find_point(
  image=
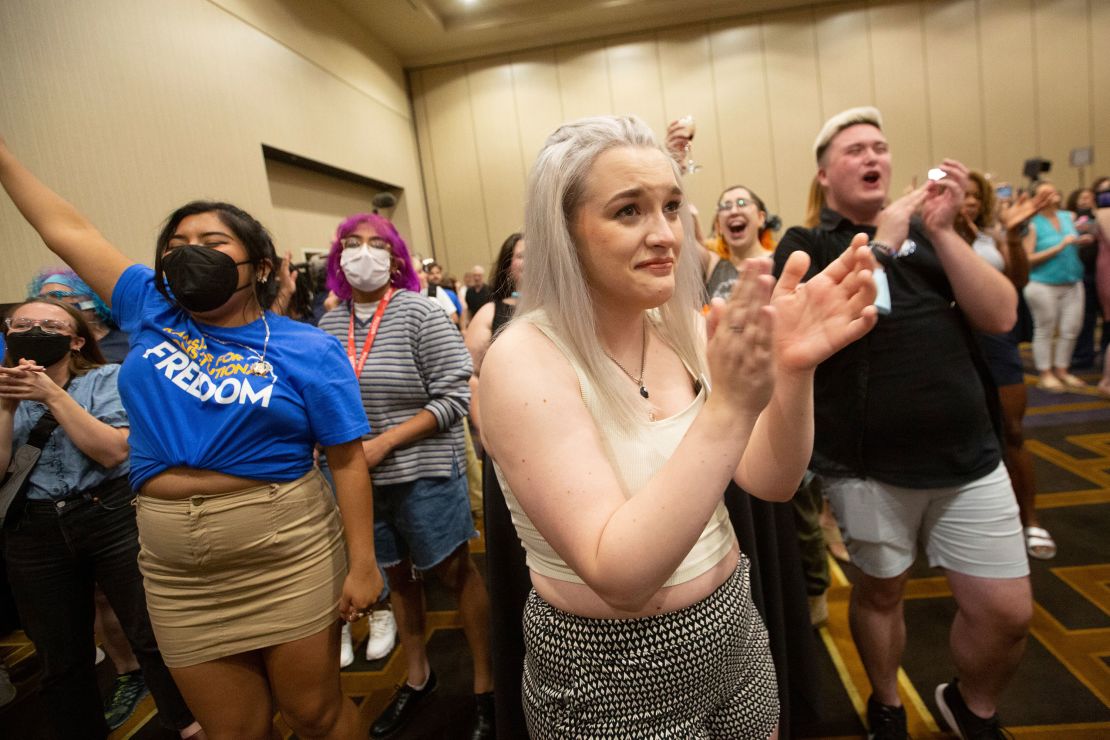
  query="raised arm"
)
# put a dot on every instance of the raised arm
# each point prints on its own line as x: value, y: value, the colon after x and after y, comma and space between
x: 1012, y: 219
x: 65, y: 231
x: 985, y: 295
x: 813, y: 320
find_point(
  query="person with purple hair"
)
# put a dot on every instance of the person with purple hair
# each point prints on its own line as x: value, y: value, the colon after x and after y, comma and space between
x: 413, y: 370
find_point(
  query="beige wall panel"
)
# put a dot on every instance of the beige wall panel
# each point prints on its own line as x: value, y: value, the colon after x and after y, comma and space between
x: 128, y: 131
x: 844, y: 56
x: 1063, y: 83
x: 1007, y: 62
x: 539, y: 108
x: 634, y: 79
x: 421, y: 119
x: 795, y: 104
x: 308, y: 206
x: 743, y: 114
x: 686, y: 84
x: 900, y: 89
x: 462, y: 202
x: 500, y: 159
x: 1100, y: 90
x: 331, y: 38
x: 583, y: 79
x: 955, y: 115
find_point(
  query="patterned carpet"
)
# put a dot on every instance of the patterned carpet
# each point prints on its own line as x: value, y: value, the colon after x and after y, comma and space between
x: 1062, y: 689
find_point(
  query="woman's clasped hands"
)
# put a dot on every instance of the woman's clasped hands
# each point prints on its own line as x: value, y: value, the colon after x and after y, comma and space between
x: 26, y: 381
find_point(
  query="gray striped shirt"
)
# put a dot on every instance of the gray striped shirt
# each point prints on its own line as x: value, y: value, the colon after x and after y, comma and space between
x: 418, y: 361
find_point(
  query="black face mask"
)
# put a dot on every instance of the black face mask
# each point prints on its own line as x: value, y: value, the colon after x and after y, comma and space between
x: 38, y: 346
x: 201, y: 278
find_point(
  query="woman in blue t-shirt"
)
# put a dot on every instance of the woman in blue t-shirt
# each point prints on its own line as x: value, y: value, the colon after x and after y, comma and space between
x: 243, y: 552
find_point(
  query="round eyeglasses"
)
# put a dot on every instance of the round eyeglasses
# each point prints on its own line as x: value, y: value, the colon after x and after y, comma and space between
x: 726, y: 205
x: 50, y: 326
x: 353, y: 242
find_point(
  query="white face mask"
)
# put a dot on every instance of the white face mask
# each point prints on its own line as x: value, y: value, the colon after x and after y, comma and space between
x: 366, y: 269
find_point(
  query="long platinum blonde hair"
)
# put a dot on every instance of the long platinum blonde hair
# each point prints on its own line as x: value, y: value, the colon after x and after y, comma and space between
x: 556, y: 291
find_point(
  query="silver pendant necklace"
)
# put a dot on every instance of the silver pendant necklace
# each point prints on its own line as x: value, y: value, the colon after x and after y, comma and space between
x: 260, y: 366
x: 643, y: 356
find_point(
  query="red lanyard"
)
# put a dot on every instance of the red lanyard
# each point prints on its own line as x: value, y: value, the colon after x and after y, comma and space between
x: 370, y: 335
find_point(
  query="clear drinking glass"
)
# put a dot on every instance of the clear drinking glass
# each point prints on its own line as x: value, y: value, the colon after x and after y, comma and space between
x: 690, y: 167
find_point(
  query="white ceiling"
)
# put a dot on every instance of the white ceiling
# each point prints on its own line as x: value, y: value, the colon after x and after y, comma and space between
x: 427, y: 32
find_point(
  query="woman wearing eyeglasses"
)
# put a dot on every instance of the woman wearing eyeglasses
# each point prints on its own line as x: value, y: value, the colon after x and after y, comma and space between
x: 65, y: 285
x: 736, y: 236
x: 413, y: 371
x: 72, y: 526
x: 245, y: 560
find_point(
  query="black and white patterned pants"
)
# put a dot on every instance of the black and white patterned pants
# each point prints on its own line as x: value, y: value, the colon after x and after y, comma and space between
x: 700, y: 672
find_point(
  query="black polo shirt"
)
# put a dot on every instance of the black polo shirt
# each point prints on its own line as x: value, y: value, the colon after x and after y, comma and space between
x: 476, y: 298
x: 908, y: 404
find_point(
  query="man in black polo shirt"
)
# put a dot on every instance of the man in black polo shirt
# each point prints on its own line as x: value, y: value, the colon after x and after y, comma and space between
x: 904, y: 439
x: 477, y: 292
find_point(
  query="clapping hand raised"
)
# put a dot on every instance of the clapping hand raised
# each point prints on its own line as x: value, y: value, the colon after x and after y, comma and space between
x: 944, y: 198
x: 740, y: 349
x: 1023, y: 208
x: 817, y: 318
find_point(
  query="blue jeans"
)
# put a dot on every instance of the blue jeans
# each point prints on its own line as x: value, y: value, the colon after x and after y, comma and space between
x: 54, y: 554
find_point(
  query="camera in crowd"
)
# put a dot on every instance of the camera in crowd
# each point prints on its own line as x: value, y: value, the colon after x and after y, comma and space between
x: 1035, y: 167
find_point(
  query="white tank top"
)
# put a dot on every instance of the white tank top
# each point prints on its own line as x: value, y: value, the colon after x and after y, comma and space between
x: 636, y: 455
x: 985, y: 246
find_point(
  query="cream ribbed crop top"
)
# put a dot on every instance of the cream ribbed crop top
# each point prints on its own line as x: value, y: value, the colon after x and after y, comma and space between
x: 636, y: 455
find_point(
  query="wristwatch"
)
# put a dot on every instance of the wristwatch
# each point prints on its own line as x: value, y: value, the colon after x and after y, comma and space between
x: 881, y: 248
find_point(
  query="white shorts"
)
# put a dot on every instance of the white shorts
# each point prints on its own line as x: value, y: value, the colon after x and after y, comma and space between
x: 972, y: 529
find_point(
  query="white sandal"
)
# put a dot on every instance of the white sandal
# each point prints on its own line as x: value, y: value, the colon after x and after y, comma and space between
x: 1039, y: 543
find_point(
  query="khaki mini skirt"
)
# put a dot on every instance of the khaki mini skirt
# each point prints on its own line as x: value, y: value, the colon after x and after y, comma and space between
x: 241, y: 571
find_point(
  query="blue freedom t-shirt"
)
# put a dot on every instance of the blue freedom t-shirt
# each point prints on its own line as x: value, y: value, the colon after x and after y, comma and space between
x: 193, y: 401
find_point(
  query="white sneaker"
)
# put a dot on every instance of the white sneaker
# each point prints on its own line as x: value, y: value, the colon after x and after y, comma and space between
x: 383, y: 634
x: 7, y: 689
x: 346, y: 650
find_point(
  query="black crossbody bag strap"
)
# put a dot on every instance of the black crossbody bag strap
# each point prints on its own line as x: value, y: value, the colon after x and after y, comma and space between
x: 42, y: 430
x: 11, y: 502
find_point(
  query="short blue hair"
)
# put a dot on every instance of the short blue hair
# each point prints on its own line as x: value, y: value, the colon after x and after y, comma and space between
x: 77, y: 287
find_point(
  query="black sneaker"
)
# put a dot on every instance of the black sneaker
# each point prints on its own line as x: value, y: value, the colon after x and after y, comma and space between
x: 128, y: 691
x: 485, y: 721
x: 964, y: 722
x: 402, y: 708
x: 885, y: 722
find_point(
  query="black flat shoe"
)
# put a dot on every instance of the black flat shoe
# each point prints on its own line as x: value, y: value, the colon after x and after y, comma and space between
x: 402, y: 708
x: 485, y: 721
